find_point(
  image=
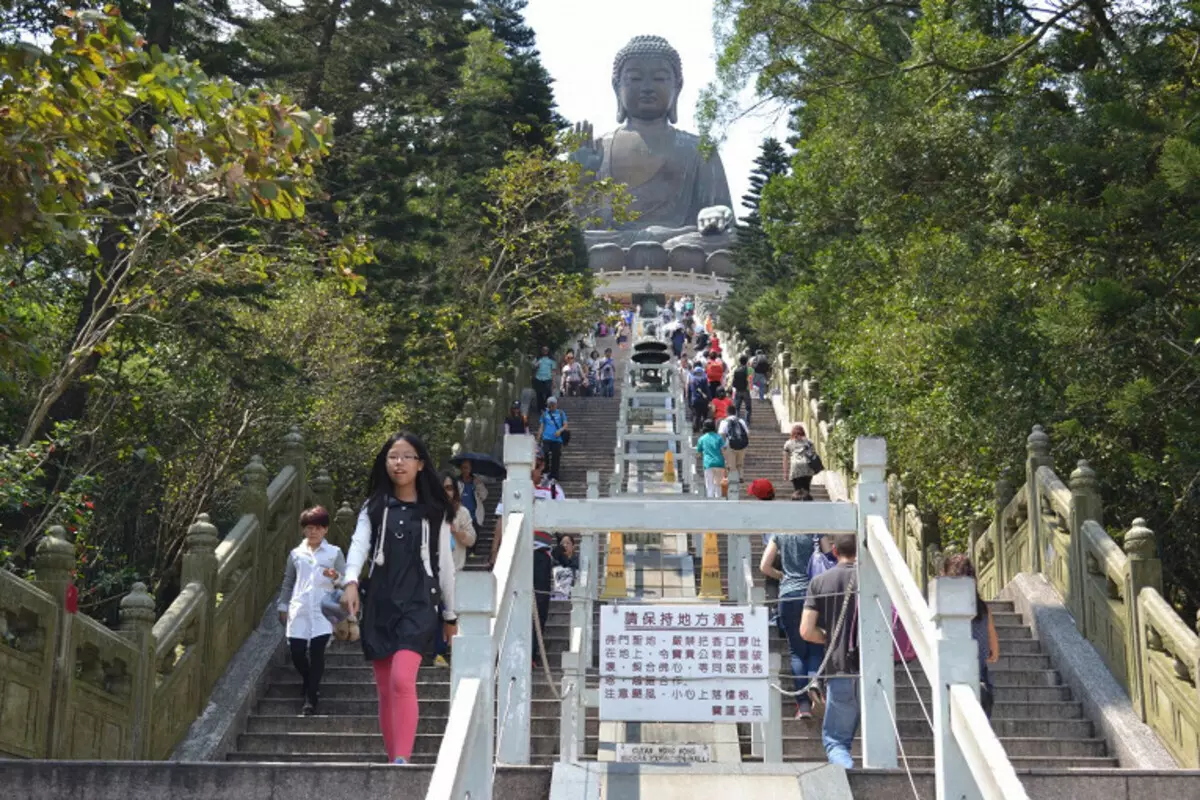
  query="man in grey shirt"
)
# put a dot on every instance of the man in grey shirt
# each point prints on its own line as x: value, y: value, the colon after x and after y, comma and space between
x: 831, y: 618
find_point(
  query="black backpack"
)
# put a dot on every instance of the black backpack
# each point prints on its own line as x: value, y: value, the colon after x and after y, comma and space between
x: 739, y: 437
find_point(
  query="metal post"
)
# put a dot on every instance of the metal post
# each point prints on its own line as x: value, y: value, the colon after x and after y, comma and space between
x: 875, y: 637
x: 515, y: 685
x: 955, y: 660
x: 475, y: 657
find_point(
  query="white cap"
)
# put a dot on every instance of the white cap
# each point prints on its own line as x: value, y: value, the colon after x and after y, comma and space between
x: 552, y: 399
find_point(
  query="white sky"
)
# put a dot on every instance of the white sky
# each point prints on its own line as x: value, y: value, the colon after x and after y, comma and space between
x: 579, y: 38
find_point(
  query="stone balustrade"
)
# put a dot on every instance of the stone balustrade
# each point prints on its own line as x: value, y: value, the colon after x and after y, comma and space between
x: 71, y: 688
x: 480, y: 427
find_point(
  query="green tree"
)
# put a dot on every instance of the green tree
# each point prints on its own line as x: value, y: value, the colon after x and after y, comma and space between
x: 758, y: 266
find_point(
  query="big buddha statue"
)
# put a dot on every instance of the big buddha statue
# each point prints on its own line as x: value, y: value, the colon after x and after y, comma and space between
x: 679, y: 193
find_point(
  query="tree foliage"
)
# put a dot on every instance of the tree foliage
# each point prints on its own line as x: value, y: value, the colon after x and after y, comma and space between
x: 991, y: 222
x: 348, y: 214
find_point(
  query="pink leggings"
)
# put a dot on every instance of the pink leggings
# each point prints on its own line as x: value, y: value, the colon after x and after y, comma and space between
x: 396, y: 682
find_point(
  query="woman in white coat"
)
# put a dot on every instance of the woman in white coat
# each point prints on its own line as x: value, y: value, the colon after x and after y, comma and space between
x: 313, y: 570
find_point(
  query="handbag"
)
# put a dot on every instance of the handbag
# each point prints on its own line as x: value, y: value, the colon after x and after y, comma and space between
x: 816, y: 464
x: 566, y: 438
x: 331, y: 607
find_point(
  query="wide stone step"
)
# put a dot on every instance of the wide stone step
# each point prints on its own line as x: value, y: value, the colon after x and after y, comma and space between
x: 437, y: 707
x: 365, y: 690
x: 1003, y: 694
x: 916, y: 727
x: 272, y: 743
x: 369, y: 725
x: 810, y: 746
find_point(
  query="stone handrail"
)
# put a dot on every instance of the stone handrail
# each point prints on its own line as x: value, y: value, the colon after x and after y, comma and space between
x: 132, y: 693
x: 1114, y: 593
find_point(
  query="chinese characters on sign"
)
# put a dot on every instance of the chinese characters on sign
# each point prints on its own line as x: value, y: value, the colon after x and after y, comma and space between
x: 686, y: 663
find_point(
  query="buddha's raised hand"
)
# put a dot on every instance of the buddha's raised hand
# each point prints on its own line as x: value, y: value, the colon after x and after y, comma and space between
x: 590, y: 154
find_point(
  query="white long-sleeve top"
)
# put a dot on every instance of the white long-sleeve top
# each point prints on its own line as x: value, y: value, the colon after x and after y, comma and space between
x: 305, y: 586
x: 360, y: 554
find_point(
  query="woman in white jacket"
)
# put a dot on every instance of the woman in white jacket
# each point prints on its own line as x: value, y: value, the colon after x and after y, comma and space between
x: 313, y: 569
x: 403, y: 537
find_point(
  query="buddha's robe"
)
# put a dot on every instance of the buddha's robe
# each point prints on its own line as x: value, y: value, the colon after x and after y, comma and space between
x: 687, y: 182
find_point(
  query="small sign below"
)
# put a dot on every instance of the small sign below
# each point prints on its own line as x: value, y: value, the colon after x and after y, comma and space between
x: 664, y: 753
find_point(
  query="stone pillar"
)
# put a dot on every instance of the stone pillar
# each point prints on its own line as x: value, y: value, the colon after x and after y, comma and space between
x: 1145, y: 571
x: 254, y: 501
x: 878, y: 683
x: 322, y: 489
x: 1002, y: 496
x: 53, y: 567
x: 975, y: 531
x: 931, y: 539
x: 514, y: 689
x: 137, y: 625
x: 1037, y: 446
x: 343, y: 526
x: 1085, y: 506
x: 293, y: 456
x: 54, y: 564
x: 955, y: 660
x: 200, y: 566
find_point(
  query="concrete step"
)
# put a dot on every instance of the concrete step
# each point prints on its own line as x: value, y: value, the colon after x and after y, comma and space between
x: 268, y: 744
x: 915, y: 726
x: 290, y: 707
x: 810, y: 746
x: 369, y: 724
x: 365, y: 690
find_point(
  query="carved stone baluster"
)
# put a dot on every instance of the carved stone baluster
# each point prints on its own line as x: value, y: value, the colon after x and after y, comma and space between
x: 1145, y: 571
x: 254, y: 501
x: 1002, y: 496
x: 1085, y: 506
x: 200, y: 566
x: 137, y: 625
x: 1037, y: 448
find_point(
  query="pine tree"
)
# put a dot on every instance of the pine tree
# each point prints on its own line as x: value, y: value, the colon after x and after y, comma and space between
x: 758, y: 267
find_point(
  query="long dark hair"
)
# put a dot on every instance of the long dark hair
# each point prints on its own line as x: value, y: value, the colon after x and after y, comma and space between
x: 430, y: 493
x: 960, y: 566
x: 456, y: 501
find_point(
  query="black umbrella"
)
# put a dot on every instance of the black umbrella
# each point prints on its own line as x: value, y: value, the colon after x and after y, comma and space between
x: 482, y: 464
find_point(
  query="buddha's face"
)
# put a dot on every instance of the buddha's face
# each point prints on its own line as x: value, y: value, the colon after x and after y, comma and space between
x: 647, y: 87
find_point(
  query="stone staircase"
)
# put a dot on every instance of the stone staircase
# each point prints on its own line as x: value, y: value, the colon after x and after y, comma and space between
x: 1035, y: 716
x: 346, y: 729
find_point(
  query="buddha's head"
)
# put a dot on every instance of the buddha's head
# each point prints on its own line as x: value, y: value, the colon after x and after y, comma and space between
x: 647, y: 77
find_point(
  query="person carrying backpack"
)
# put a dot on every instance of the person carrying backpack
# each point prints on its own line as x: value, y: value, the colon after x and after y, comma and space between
x: 741, y: 386
x: 761, y: 365
x: 698, y: 398
x: 608, y: 374
x: 736, y: 433
x: 553, y: 426
x: 715, y: 371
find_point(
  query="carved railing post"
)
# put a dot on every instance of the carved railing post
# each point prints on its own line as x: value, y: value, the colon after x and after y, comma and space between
x: 343, y: 526
x: 931, y: 540
x: 322, y: 489
x: 1085, y: 505
x: 254, y: 501
x: 54, y: 563
x: 53, y: 567
x: 136, y: 623
x: 293, y: 455
x: 1145, y: 570
x: 1003, y: 495
x: 200, y: 566
x: 1037, y: 447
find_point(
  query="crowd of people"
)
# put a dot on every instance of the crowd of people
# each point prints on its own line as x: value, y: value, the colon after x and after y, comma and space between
x: 393, y: 592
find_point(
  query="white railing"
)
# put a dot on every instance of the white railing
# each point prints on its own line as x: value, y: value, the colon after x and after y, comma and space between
x: 493, y: 609
x: 578, y: 659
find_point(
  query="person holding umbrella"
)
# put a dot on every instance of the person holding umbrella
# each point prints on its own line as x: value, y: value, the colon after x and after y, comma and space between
x: 473, y: 492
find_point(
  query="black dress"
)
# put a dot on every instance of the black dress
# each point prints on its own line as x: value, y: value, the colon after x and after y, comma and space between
x: 399, y: 613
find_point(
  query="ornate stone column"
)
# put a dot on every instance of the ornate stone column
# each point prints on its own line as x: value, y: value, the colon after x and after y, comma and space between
x: 137, y: 625
x: 1145, y: 571
x: 1037, y: 446
x: 1085, y: 506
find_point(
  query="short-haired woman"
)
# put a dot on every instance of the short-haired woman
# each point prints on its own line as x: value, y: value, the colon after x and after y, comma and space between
x: 313, y: 570
x: 798, y: 457
x: 403, y: 533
